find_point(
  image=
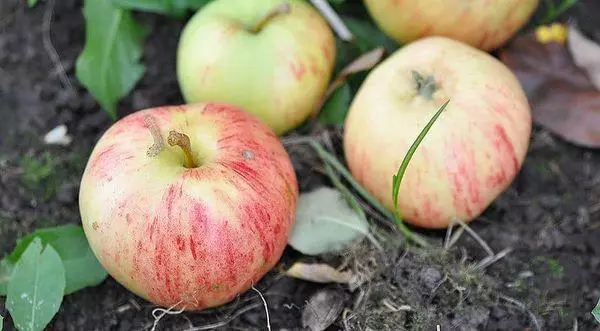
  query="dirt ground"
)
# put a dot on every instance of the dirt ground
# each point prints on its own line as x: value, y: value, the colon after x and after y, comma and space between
x: 548, y: 221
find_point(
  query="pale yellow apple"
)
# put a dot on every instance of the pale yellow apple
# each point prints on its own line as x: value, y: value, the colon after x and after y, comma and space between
x: 486, y: 24
x: 470, y: 155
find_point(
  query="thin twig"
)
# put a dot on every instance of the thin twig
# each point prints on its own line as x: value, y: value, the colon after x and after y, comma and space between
x: 334, y: 19
x: 521, y: 306
x: 226, y: 320
x: 475, y: 236
x: 486, y: 262
x: 46, y: 39
x: 265, y: 305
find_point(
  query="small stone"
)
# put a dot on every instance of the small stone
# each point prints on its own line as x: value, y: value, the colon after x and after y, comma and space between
x: 67, y: 193
x: 430, y: 277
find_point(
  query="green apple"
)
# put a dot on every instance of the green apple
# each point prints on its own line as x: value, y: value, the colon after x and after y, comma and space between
x: 273, y: 58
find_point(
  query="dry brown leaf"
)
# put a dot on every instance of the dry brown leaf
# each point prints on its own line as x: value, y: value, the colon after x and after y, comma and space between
x: 364, y: 62
x: 562, y: 97
x: 318, y: 273
x: 585, y: 53
x: 322, y: 309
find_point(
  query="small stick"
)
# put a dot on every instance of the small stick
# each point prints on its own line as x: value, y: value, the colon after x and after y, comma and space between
x: 334, y: 19
x: 50, y: 48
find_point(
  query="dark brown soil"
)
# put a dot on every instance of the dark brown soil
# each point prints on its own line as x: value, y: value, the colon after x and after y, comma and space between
x: 550, y: 216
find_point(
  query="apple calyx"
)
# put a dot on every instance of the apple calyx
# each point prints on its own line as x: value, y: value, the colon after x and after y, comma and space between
x: 426, y: 84
x: 282, y: 8
x: 183, y: 141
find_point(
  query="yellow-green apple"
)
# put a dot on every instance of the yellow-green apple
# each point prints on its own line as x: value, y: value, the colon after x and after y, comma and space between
x: 472, y: 152
x: 273, y: 58
x: 188, y: 205
x: 486, y: 24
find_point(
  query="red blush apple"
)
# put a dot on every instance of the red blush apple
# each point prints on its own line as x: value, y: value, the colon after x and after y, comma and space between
x: 486, y: 24
x: 470, y: 155
x: 197, y: 221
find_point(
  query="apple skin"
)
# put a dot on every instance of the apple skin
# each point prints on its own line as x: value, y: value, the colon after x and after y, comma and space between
x: 485, y: 24
x: 193, y: 236
x: 278, y: 74
x: 472, y: 152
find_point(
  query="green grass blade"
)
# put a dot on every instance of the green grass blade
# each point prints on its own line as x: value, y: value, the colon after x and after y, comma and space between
x: 409, y: 154
x: 334, y: 163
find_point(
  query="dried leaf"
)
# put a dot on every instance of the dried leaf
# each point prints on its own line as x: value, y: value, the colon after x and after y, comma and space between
x: 318, y: 273
x: 585, y: 53
x: 322, y: 310
x: 364, y: 62
x: 562, y: 97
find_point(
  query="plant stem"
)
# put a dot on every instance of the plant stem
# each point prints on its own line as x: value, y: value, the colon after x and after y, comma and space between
x: 283, y: 8
x: 183, y: 141
x: 330, y: 159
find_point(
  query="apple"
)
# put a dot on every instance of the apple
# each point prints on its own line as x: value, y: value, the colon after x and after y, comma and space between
x: 273, y: 58
x: 486, y: 24
x: 188, y: 205
x: 472, y: 152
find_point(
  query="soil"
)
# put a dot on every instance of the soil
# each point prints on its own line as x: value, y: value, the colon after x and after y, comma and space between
x: 548, y: 219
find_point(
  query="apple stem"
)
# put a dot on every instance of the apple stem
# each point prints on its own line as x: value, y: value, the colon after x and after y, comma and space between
x: 426, y: 85
x: 183, y: 141
x: 282, y: 8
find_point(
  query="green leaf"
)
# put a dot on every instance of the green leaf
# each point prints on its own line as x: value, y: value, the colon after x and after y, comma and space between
x: 174, y: 8
x: 368, y: 36
x: 36, y: 289
x: 109, y: 64
x: 596, y: 312
x: 81, y: 265
x: 335, y: 109
x: 6, y: 268
x: 325, y: 223
x: 30, y: 3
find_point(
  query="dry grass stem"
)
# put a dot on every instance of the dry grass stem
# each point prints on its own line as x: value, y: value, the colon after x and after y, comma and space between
x: 265, y: 305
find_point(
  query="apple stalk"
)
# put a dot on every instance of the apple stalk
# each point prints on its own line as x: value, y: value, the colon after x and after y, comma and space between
x: 283, y: 8
x: 183, y: 141
x: 426, y: 85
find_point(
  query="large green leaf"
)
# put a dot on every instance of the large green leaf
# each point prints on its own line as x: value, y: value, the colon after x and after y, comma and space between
x: 175, y: 8
x: 36, y: 289
x: 81, y: 265
x: 109, y: 64
x: 325, y: 223
x: 336, y: 108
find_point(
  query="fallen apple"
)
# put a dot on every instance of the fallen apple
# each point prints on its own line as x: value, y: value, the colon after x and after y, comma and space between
x: 471, y: 154
x: 188, y: 205
x: 273, y: 58
x: 486, y: 24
